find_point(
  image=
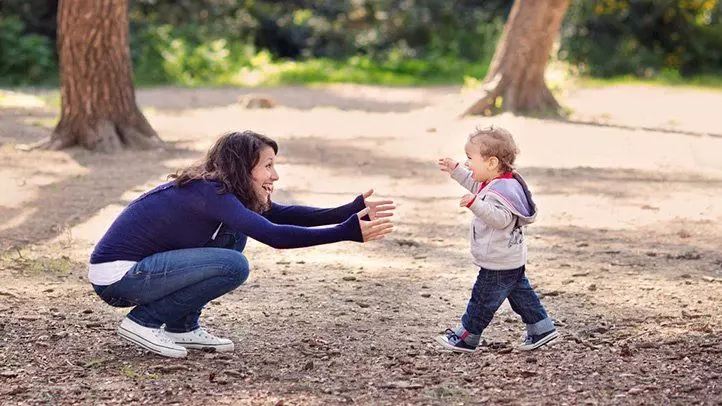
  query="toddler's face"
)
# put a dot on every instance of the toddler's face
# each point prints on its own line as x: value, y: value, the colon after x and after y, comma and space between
x: 482, y: 169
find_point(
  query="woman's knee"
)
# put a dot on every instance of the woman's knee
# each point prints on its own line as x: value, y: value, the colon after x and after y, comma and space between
x: 236, y: 266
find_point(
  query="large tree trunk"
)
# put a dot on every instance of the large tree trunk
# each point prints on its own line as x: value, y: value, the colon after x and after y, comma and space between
x: 515, y: 80
x: 96, y: 82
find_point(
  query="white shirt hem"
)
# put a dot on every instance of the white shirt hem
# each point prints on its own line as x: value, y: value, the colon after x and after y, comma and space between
x: 107, y: 273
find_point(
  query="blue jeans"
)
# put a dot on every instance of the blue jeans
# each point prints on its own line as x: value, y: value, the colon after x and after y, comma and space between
x: 172, y: 287
x: 490, y: 291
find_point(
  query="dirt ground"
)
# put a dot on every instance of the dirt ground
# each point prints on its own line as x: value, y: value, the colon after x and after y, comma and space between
x: 625, y: 253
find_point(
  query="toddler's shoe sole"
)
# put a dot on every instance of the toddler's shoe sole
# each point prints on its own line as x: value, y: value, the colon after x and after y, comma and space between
x: 442, y: 340
x: 544, y: 341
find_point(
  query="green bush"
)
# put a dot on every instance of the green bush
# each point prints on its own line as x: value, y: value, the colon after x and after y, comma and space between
x: 25, y: 58
x: 211, y: 42
x: 164, y: 55
x: 243, y: 42
x: 644, y: 37
x: 218, y: 41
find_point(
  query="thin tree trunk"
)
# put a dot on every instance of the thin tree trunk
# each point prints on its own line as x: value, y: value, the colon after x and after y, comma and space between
x: 98, y: 109
x: 515, y: 80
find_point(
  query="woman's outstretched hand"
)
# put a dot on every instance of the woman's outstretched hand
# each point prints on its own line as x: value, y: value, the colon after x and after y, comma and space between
x: 374, y: 229
x: 378, y: 209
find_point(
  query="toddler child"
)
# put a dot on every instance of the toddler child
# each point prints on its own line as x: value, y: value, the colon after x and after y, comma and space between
x: 502, y: 205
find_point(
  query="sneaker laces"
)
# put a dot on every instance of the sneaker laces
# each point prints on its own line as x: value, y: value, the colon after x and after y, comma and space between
x: 451, y: 336
x: 202, y: 333
x: 162, y: 337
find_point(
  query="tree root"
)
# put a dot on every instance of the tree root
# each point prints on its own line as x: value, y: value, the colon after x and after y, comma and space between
x: 105, y: 136
x: 543, y: 103
x: 48, y: 143
x: 486, y: 104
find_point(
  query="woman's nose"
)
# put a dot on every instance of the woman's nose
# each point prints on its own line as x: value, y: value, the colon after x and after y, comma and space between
x: 274, y: 175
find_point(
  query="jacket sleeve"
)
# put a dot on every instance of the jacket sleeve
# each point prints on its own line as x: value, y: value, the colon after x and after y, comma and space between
x: 492, y: 212
x: 229, y: 210
x: 307, y: 216
x: 463, y: 176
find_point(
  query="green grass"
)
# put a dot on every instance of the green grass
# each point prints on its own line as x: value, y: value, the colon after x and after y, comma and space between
x: 29, y: 265
x: 363, y: 71
x: 223, y: 63
x: 263, y: 70
x: 698, y: 82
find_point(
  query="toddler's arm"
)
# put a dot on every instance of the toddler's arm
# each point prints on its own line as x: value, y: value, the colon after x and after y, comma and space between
x: 494, y: 214
x: 459, y: 174
x: 463, y: 176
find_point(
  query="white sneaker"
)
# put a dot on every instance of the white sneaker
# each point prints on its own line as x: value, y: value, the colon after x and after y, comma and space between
x: 153, y: 339
x: 200, y: 339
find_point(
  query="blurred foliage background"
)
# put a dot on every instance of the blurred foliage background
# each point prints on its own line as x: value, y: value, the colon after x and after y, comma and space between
x: 391, y: 42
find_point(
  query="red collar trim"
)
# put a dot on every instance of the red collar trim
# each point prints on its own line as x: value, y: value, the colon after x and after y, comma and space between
x: 505, y: 175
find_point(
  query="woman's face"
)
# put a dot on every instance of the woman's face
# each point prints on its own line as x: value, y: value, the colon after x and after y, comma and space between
x: 264, y: 174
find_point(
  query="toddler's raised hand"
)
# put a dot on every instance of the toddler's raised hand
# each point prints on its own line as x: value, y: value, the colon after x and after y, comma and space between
x: 447, y: 165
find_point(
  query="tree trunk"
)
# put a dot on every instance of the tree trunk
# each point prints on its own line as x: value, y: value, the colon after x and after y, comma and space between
x: 515, y: 81
x: 98, y: 109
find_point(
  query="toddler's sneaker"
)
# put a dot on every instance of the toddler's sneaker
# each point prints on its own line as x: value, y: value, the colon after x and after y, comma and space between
x: 453, y: 342
x: 535, y: 341
x: 152, y: 339
x: 200, y: 339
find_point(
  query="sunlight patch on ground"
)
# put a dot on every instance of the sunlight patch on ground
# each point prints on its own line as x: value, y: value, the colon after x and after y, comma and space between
x: 330, y: 257
x: 19, y: 219
x: 609, y: 212
x: 48, y: 123
x: 92, y: 229
x: 9, y: 98
x: 24, y: 180
x: 175, y: 164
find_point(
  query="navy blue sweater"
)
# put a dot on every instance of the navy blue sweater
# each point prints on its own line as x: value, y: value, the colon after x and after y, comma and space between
x: 169, y: 218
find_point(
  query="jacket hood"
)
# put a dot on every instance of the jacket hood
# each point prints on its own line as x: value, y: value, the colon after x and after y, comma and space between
x: 515, y: 195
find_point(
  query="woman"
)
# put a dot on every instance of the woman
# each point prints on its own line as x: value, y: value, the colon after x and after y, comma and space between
x: 179, y: 246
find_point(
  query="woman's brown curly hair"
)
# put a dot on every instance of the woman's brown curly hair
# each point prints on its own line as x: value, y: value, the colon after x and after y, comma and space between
x: 230, y: 162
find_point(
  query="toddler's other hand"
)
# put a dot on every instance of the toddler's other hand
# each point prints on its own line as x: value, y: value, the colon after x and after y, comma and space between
x: 447, y: 165
x: 468, y: 198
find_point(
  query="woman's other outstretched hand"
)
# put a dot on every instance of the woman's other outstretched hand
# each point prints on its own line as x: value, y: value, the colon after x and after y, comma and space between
x: 374, y: 229
x: 378, y: 209
x: 447, y: 165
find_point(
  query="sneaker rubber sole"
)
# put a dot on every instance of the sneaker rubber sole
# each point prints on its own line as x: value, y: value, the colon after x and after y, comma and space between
x: 442, y: 341
x: 546, y: 340
x: 151, y: 346
x: 207, y: 347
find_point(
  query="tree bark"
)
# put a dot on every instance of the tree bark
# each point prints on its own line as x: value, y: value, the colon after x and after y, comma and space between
x: 98, y: 108
x: 515, y: 80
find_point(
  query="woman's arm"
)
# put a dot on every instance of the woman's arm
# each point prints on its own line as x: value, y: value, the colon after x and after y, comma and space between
x: 226, y: 208
x: 307, y: 216
x: 229, y: 210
